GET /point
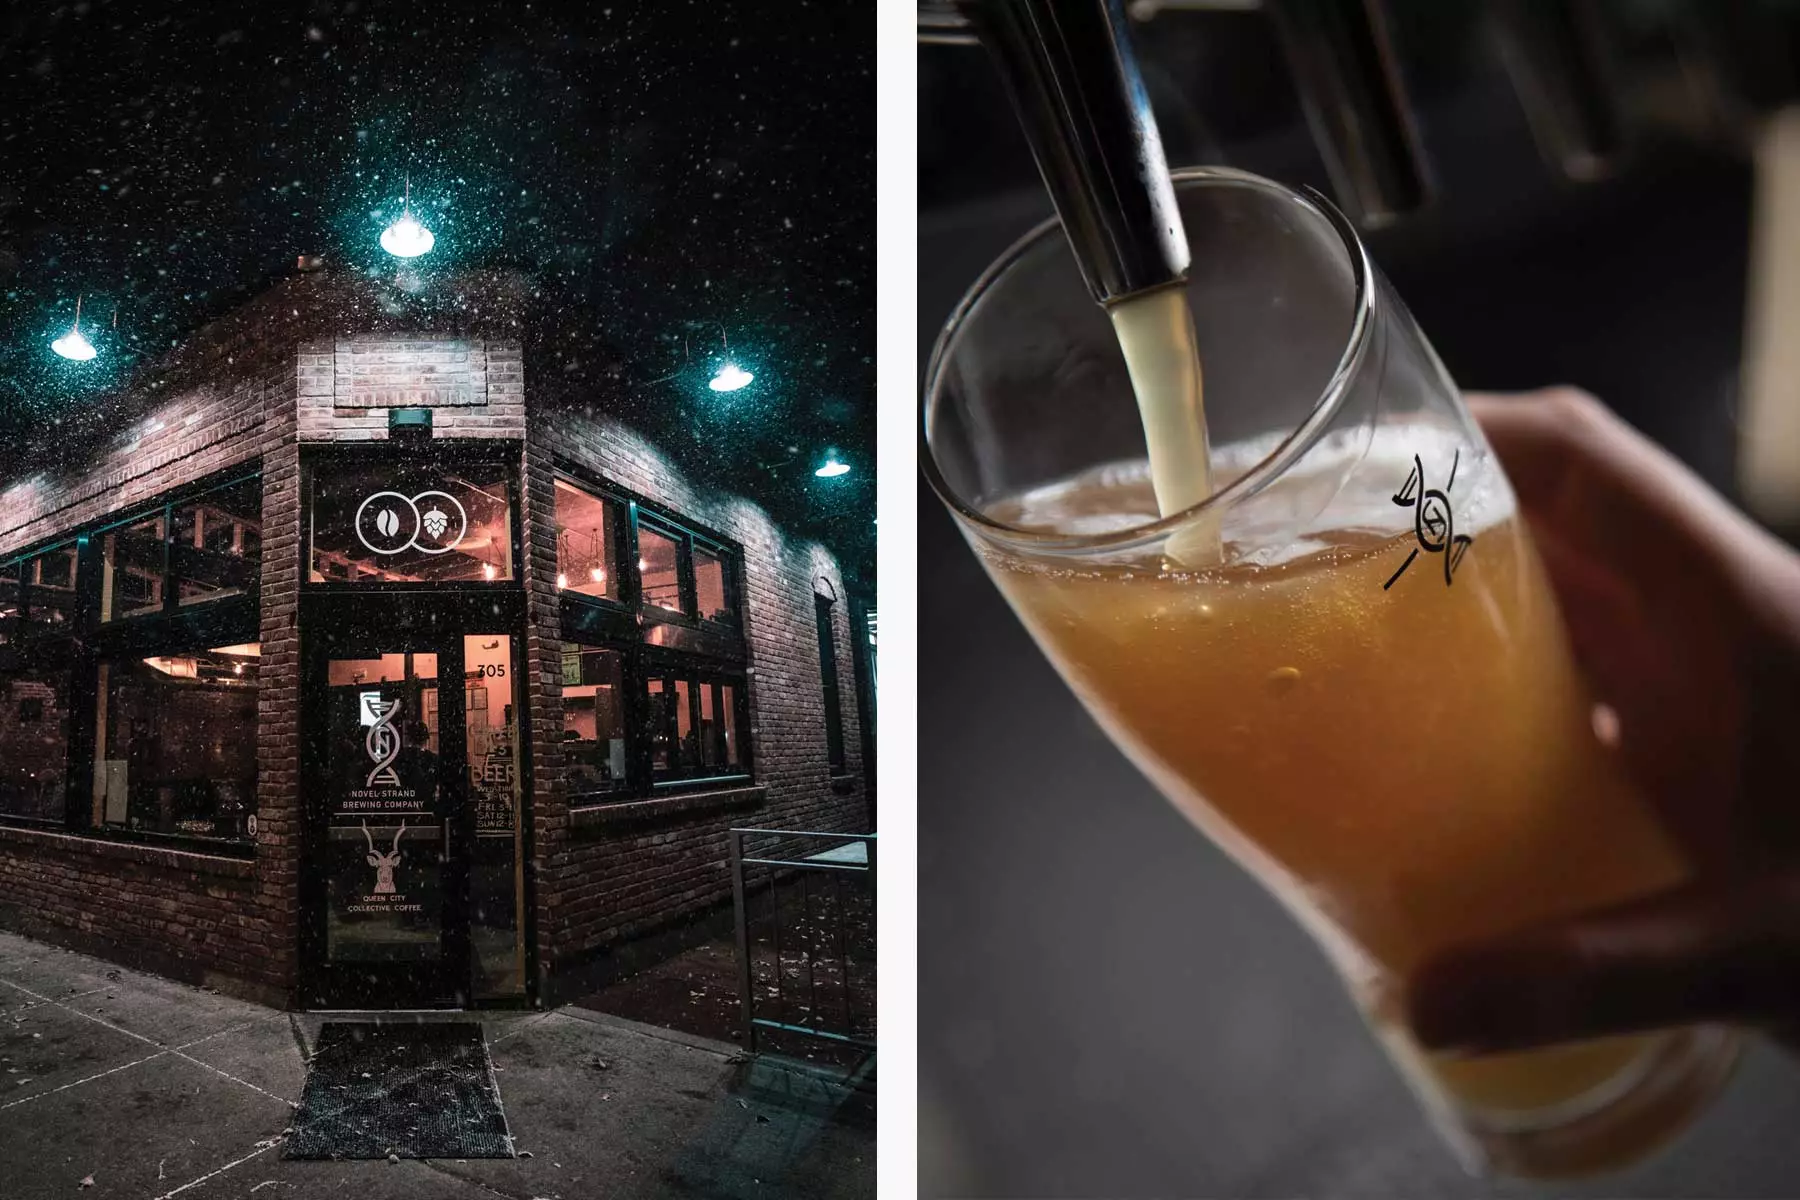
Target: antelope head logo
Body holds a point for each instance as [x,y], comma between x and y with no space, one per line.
[384,864]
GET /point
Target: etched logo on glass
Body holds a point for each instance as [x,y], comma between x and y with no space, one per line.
[383,743]
[1434,525]
[431,522]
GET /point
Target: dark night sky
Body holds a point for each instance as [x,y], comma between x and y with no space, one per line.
[659,170]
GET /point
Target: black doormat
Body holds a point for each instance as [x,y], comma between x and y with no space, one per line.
[411,1090]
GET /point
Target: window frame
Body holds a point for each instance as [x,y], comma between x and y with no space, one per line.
[658,643]
[825,622]
[170,628]
[675,777]
[449,452]
[171,606]
[632,514]
[203,635]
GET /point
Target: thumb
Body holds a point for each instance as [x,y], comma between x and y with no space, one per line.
[1700,953]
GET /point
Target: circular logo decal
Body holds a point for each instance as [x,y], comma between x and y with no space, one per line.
[387,522]
[431,522]
[442,522]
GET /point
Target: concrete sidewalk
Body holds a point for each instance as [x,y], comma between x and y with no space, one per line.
[154,1089]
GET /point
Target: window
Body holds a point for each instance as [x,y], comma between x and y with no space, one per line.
[652,701]
[693,720]
[659,563]
[594,719]
[175,743]
[199,548]
[828,673]
[50,589]
[586,543]
[410,522]
[218,543]
[134,569]
[34,745]
[710,591]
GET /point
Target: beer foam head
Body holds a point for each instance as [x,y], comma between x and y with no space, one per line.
[1365,481]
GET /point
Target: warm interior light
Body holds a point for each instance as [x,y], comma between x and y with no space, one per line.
[643,564]
[832,469]
[598,575]
[730,378]
[562,581]
[489,571]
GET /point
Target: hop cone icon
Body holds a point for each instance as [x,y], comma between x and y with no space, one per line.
[436,521]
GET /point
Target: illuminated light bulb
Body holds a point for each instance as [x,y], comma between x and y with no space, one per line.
[489,571]
[643,565]
[832,469]
[562,581]
[72,345]
[597,575]
[730,378]
[237,668]
[406,238]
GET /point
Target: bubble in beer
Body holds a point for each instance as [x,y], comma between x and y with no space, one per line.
[1283,679]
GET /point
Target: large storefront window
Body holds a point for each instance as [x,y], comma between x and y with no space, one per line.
[410,523]
[653,699]
[34,745]
[175,743]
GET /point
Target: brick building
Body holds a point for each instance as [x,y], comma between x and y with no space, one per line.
[350,667]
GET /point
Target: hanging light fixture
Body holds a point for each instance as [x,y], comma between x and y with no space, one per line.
[406,238]
[832,468]
[72,345]
[730,378]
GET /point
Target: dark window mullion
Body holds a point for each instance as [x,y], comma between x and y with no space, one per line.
[169,604]
[718,729]
[684,573]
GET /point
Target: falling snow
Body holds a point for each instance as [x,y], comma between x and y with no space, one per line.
[669,177]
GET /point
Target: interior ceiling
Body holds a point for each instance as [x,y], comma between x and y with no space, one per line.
[678,181]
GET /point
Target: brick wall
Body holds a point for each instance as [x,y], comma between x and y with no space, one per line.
[201,917]
[279,372]
[474,387]
[602,880]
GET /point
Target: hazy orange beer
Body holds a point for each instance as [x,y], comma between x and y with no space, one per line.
[1368,701]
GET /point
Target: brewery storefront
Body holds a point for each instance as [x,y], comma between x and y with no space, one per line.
[334,680]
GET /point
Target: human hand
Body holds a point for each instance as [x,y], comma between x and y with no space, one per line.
[1685,618]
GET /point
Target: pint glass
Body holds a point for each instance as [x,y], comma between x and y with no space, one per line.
[1365,697]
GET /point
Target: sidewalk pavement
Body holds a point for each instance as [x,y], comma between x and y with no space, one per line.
[114,1083]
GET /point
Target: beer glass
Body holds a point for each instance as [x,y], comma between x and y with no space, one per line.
[1363,691]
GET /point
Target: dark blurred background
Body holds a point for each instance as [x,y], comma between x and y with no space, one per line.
[1107,1006]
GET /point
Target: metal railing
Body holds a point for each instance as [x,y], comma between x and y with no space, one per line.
[805,908]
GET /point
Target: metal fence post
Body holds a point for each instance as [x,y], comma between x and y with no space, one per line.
[746,976]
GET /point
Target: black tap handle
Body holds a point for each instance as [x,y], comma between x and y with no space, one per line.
[1069,68]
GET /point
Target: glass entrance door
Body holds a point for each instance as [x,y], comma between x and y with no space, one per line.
[385,799]
[413,886]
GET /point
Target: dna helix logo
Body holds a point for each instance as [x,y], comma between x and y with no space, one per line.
[383,744]
[1434,524]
